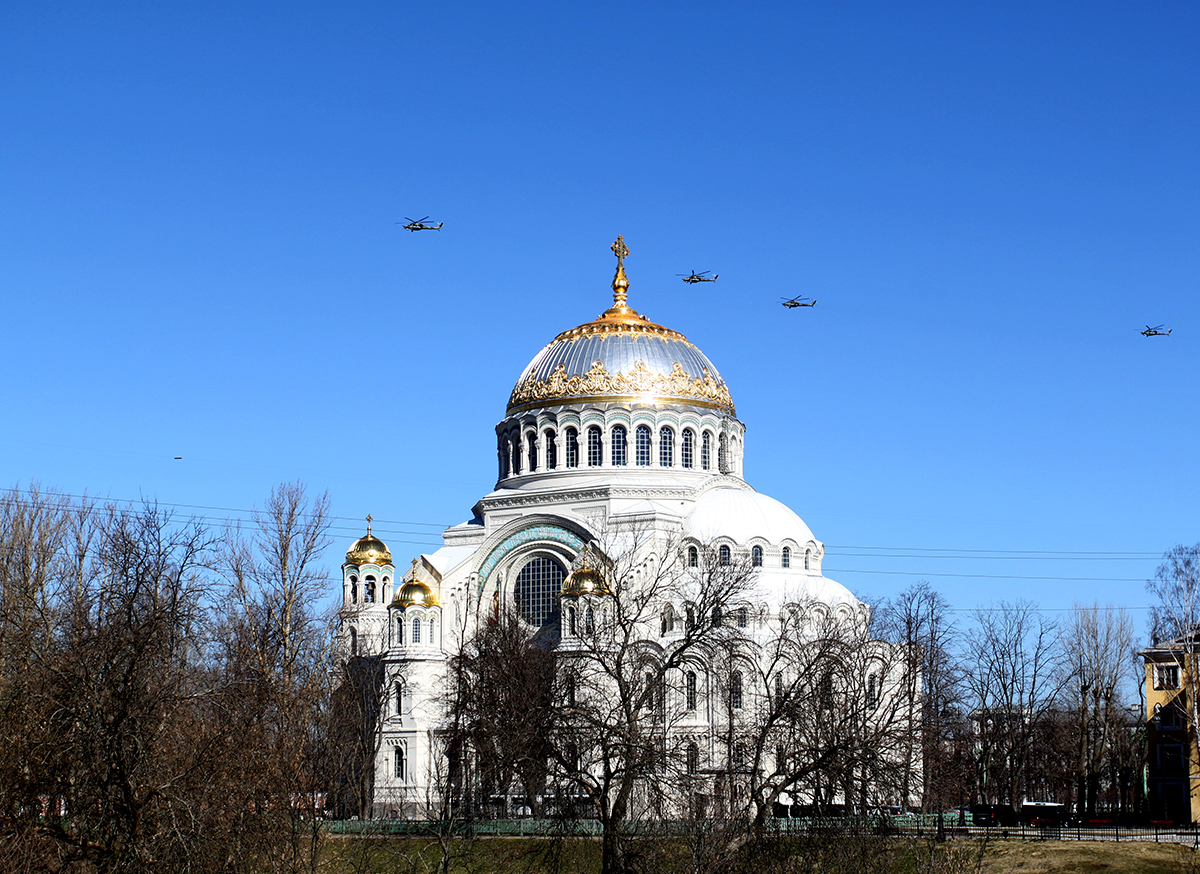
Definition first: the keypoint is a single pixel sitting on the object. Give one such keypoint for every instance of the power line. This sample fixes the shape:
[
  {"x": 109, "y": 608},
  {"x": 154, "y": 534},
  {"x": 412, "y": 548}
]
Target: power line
[{"x": 991, "y": 576}]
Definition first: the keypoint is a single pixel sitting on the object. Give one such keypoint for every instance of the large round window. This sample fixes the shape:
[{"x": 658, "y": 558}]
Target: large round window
[{"x": 538, "y": 585}]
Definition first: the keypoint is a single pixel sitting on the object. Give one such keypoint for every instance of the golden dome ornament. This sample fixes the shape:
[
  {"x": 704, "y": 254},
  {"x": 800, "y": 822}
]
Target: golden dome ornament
[{"x": 369, "y": 550}]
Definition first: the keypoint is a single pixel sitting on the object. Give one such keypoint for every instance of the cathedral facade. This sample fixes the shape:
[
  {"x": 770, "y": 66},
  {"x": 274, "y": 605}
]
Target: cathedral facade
[{"x": 617, "y": 424}]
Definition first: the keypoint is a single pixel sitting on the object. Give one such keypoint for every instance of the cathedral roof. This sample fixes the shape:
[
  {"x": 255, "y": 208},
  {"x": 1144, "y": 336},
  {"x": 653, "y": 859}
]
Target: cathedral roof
[{"x": 620, "y": 356}]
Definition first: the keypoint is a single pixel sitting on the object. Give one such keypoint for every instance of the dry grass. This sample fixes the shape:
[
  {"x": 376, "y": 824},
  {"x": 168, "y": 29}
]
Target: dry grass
[{"x": 1085, "y": 857}]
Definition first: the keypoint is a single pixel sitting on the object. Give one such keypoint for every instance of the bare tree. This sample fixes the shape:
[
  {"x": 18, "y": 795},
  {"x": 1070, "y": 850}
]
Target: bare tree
[
  {"x": 1096, "y": 643},
  {"x": 1014, "y": 678}
]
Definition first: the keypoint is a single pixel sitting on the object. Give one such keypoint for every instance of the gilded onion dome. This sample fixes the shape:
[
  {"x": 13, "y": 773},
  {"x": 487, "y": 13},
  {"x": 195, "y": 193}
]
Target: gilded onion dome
[
  {"x": 369, "y": 550},
  {"x": 585, "y": 580},
  {"x": 620, "y": 356},
  {"x": 415, "y": 594}
]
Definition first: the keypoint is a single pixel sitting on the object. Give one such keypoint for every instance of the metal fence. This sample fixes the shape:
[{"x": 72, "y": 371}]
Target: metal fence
[{"x": 912, "y": 825}]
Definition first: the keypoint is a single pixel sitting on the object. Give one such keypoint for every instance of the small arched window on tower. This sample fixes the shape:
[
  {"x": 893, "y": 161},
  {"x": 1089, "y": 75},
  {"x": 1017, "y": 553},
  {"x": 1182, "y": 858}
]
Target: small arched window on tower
[
  {"x": 786, "y": 559},
  {"x": 691, "y": 617},
  {"x": 693, "y": 758},
  {"x": 691, "y": 690},
  {"x": 618, "y": 446},
  {"x": 399, "y": 693},
  {"x": 706, "y": 450},
  {"x": 668, "y": 620},
  {"x": 688, "y": 449},
  {"x": 595, "y": 447},
  {"x": 693, "y": 557},
  {"x": 723, "y": 454},
  {"x": 531, "y": 445},
  {"x": 354, "y": 590},
  {"x": 726, "y": 555},
  {"x": 504, "y": 455},
  {"x": 756, "y": 556},
  {"x": 516, "y": 454},
  {"x": 779, "y": 690},
  {"x": 666, "y": 447},
  {"x": 571, "y": 621},
  {"x": 743, "y": 617},
  {"x": 399, "y": 631},
  {"x": 735, "y": 690},
  {"x": 353, "y": 641},
  {"x": 589, "y": 621},
  {"x": 416, "y": 635},
  {"x": 398, "y": 764},
  {"x": 643, "y": 446},
  {"x": 572, "y": 448},
  {"x": 551, "y": 450},
  {"x": 808, "y": 559},
  {"x": 369, "y": 591}
]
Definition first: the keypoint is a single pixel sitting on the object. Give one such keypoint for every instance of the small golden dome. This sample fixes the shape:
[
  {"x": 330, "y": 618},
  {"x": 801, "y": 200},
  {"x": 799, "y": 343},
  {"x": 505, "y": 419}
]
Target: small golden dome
[
  {"x": 415, "y": 594},
  {"x": 369, "y": 550},
  {"x": 585, "y": 580}
]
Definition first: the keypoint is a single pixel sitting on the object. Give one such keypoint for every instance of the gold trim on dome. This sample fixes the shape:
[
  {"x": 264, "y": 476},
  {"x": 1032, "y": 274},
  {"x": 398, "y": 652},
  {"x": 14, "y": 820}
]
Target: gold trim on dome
[{"x": 599, "y": 384}]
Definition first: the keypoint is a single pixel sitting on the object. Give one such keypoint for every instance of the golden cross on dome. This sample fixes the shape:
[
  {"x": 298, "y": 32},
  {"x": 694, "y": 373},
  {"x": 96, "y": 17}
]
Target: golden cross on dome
[
  {"x": 620, "y": 249},
  {"x": 369, "y": 521}
]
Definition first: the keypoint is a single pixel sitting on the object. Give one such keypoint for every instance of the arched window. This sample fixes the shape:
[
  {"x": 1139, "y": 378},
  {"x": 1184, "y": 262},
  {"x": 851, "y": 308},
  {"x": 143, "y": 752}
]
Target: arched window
[
  {"x": 723, "y": 454},
  {"x": 691, "y": 690},
  {"x": 618, "y": 452},
  {"x": 572, "y": 448},
  {"x": 643, "y": 446},
  {"x": 693, "y": 758},
  {"x": 537, "y": 588},
  {"x": 688, "y": 449},
  {"x": 781, "y": 759},
  {"x": 808, "y": 559},
  {"x": 706, "y": 451},
  {"x": 571, "y": 621},
  {"x": 595, "y": 448},
  {"x": 756, "y": 556},
  {"x": 399, "y": 693},
  {"x": 551, "y": 450},
  {"x": 666, "y": 447},
  {"x": 693, "y": 557},
  {"x": 691, "y": 618},
  {"x": 668, "y": 620},
  {"x": 369, "y": 591},
  {"x": 872, "y": 690},
  {"x": 716, "y": 616},
  {"x": 398, "y": 764},
  {"x": 735, "y": 690},
  {"x": 353, "y": 641},
  {"x": 589, "y": 621},
  {"x": 516, "y": 453},
  {"x": 399, "y": 631},
  {"x": 786, "y": 560},
  {"x": 743, "y": 617},
  {"x": 726, "y": 555},
  {"x": 570, "y": 680},
  {"x": 416, "y": 635},
  {"x": 354, "y": 590},
  {"x": 504, "y": 457},
  {"x": 778, "y": 689},
  {"x": 531, "y": 444},
  {"x": 739, "y": 755}
]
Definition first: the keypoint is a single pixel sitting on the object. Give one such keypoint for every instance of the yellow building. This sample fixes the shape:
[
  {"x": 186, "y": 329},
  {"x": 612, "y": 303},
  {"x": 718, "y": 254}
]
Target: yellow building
[{"x": 1172, "y": 762}]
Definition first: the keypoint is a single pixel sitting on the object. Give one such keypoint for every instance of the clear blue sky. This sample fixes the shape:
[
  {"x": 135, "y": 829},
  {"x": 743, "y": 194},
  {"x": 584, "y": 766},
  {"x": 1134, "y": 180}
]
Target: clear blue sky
[{"x": 199, "y": 257}]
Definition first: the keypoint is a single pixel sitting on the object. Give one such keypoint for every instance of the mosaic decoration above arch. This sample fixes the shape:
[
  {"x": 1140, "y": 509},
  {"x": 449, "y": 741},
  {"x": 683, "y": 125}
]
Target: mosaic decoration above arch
[{"x": 522, "y": 537}]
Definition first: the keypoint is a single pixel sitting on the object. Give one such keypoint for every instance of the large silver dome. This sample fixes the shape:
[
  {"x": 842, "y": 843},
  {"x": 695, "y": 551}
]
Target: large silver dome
[{"x": 620, "y": 357}]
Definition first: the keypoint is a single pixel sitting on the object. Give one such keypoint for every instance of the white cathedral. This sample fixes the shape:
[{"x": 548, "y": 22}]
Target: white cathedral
[{"x": 617, "y": 422}]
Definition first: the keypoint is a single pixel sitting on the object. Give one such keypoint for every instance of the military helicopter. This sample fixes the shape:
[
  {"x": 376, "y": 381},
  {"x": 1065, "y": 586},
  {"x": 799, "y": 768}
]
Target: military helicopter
[
  {"x": 797, "y": 302},
  {"x": 419, "y": 224},
  {"x": 1155, "y": 332},
  {"x": 697, "y": 277}
]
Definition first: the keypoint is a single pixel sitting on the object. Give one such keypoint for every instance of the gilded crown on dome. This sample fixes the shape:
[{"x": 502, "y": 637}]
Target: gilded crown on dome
[{"x": 369, "y": 549}]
